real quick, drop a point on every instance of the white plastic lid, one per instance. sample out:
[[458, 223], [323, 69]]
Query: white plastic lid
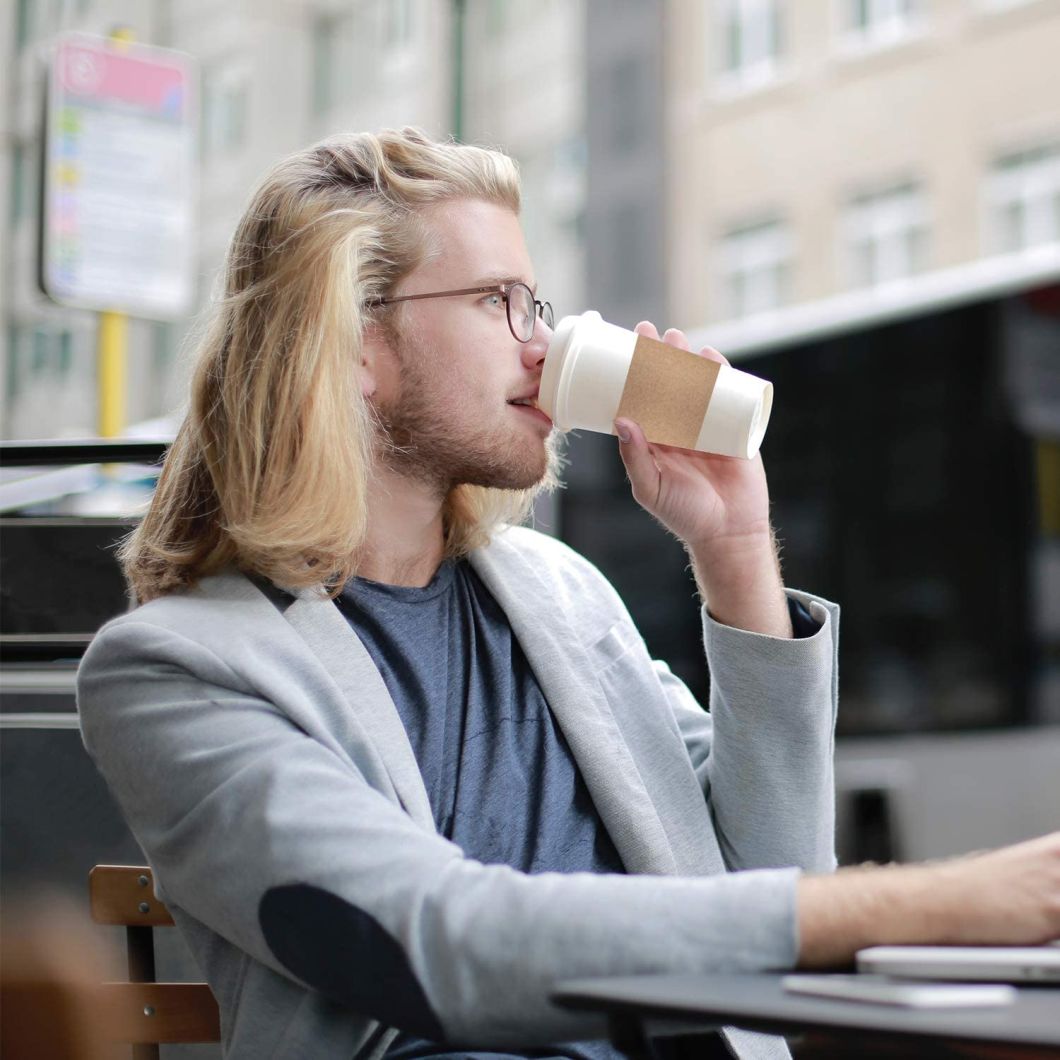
[[553, 373]]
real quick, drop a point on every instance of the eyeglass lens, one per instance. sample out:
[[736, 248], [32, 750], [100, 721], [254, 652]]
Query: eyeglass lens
[[522, 312]]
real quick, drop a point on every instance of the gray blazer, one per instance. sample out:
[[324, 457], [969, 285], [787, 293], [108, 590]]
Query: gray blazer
[[252, 744]]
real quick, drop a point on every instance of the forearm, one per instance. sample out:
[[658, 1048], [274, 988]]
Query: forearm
[[1006, 897], [867, 906], [740, 583]]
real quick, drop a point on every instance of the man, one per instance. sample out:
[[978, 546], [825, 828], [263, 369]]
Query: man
[[399, 768]]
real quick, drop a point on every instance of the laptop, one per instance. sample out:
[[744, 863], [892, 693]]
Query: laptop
[[1005, 964]]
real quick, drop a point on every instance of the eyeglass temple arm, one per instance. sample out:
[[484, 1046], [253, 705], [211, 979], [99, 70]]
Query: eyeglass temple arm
[[499, 288]]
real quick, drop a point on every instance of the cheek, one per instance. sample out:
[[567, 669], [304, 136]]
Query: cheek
[[385, 381], [459, 385]]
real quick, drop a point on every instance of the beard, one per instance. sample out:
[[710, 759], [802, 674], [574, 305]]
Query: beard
[[416, 442]]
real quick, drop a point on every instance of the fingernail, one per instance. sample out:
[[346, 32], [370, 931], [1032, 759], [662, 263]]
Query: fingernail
[[622, 431]]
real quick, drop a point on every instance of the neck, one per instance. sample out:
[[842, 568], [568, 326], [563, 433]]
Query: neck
[[405, 541]]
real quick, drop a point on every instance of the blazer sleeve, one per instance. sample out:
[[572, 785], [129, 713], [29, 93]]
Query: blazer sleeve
[[764, 752], [278, 844]]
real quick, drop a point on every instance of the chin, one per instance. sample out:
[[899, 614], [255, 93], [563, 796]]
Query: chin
[[521, 473], [505, 480]]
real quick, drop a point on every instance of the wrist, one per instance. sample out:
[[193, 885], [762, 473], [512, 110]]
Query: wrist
[[735, 563], [871, 905], [741, 586], [734, 550]]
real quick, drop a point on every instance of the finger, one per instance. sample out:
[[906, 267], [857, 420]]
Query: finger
[[712, 355], [676, 338], [643, 472], [647, 329]]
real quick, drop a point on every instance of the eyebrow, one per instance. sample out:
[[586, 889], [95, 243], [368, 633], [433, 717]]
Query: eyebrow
[[487, 281]]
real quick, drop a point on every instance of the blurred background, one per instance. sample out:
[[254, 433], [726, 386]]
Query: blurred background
[[857, 199]]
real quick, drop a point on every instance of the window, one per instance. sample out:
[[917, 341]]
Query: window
[[324, 62], [398, 24], [15, 340], [566, 185], [161, 348], [1023, 199], [18, 183], [627, 90], [36, 20], [629, 244], [23, 23], [496, 17], [64, 356], [1003, 5], [885, 236], [879, 22], [224, 109], [749, 34], [25, 180], [41, 350], [755, 267], [50, 352], [332, 41]]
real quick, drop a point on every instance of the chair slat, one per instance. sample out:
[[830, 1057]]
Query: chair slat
[[144, 1014], [141, 1013], [123, 894]]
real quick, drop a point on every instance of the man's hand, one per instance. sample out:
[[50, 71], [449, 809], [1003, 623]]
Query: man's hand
[[719, 508], [1005, 897]]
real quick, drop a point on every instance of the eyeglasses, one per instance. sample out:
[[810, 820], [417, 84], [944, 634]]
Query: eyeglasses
[[522, 307]]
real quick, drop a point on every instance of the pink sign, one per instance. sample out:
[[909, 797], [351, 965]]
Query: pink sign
[[119, 219], [108, 75]]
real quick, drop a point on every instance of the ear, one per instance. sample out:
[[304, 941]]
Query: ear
[[375, 355]]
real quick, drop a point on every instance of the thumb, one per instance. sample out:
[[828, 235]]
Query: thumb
[[640, 464]]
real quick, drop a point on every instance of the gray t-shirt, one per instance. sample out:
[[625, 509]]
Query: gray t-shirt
[[499, 775]]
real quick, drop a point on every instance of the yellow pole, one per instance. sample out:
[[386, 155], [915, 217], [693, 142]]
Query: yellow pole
[[112, 342], [111, 351]]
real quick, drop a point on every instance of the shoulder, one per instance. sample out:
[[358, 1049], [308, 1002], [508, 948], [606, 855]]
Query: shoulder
[[197, 627], [216, 599], [552, 556], [569, 579]]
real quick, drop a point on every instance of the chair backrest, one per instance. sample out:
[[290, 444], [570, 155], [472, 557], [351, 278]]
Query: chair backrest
[[142, 1011]]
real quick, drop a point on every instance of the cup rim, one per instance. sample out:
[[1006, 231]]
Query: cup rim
[[559, 365]]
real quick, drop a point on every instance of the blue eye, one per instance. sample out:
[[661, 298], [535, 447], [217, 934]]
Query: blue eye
[[493, 299]]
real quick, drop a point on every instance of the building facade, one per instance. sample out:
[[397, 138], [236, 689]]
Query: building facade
[[832, 145], [275, 75]]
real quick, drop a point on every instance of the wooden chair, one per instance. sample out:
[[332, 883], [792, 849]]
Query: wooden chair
[[142, 1011]]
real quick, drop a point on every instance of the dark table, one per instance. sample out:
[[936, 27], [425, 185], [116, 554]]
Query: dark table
[[1030, 1027]]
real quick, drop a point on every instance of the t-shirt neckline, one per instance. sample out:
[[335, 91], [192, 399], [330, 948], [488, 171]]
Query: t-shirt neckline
[[442, 580]]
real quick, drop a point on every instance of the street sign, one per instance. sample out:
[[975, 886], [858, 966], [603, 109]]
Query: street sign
[[118, 227]]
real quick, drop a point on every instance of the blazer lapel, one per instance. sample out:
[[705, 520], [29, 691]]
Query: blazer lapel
[[320, 624], [553, 649]]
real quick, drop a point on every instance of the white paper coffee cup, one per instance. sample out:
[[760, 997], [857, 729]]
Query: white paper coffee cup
[[595, 372]]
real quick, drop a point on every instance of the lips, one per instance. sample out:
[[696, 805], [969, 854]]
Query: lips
[[529, 401]]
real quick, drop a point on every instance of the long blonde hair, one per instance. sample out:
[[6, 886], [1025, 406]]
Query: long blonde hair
[[269, 470]]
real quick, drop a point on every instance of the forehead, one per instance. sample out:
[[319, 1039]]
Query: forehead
[[475, 241]]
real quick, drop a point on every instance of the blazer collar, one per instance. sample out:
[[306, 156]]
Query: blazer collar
[[554, 650], [555, 653], [321, 625]]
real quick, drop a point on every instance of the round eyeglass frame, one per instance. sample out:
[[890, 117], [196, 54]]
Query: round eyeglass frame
[[542, 310]]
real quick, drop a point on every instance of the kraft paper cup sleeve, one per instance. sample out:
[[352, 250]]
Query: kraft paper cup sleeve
[[668, 391]]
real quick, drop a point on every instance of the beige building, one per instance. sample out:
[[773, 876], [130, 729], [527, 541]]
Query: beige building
[[824, 146], [276, 75]]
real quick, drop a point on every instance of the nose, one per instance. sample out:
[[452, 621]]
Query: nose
[[533, 352]]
